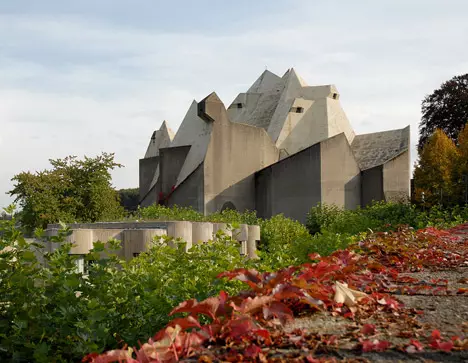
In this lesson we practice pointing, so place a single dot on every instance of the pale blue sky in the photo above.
(81, 77)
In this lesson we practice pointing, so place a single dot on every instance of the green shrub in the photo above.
(51, 313)
(380, 216)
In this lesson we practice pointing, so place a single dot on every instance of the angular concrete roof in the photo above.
(265, 82)
(160, 139)
(279, 104)
(377, 148)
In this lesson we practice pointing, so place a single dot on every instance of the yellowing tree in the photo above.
(433, 174)
(460, 173)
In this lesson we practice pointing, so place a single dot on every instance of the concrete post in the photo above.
(136, 241)
(202, 232)
(241, 234)
(221, 227)
(83, 241)
(182, 230)
(104, 235)
(254, 236)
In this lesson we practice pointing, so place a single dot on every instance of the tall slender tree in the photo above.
(433, 175)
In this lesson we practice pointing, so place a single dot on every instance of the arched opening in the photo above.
(228, 205)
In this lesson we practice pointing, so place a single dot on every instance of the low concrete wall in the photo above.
(136, 237)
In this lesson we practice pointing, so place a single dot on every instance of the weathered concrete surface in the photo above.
(190, 193)
(219, 158)
(149, 169)
(136, 241)
(234, 154)
(137, 237)
(372, 185)
(291, 186)
(339, 173)
(172, 161)
(194, 132)
(149, 165)
(396, 178)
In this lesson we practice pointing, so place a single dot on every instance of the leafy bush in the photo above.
(50, 312)
(380, 216)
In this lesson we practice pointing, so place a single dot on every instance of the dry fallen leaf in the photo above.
(347, 296)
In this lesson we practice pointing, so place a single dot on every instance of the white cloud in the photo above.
(75, 85)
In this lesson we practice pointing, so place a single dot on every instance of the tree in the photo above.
(72, 191)
(460, 174)
(446, 109)
(129, 198)
(434, 173)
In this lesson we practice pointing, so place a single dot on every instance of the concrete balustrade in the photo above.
(82, 240)
(201, 232)
(182, 230)
(136, 241)
(221, 227)
(136, 237)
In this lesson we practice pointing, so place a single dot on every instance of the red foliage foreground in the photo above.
(353, 284)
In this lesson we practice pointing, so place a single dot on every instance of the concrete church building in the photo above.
(280, 147)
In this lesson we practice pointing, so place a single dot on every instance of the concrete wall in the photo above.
(372, 185)
(235, 153)
(340, 174)
(194, 132)
(172, 160)
(147, 170)
(396, 178)
(291, 186)
(191, 192)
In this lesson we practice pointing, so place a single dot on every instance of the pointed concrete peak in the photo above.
(293, 73)
(212, 97)
(286, 74)
(165, 128)
(265, 82)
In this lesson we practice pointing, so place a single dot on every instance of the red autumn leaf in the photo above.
(89, 357)
(252, 306)
(462, 290)
(279, 310)
(252, 351)
(207, 307)
(375, 345)
(435, 335)
(417, 344)
(368, 329)
(185, 323)
(445, 346)
(238, 327)
(314, 256)
(242, 274)
(265, 334)
(287, 291)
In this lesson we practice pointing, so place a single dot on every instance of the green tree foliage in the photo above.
(446, 109)
(460, 174)
(433, 174)
(73, 190)
(129, 199)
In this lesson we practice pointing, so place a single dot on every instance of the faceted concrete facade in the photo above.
(280, 147)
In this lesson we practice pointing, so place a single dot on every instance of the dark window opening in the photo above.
(239, 105)
(335, 96)
(228, 205)
(300, 110)
(136, 254)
